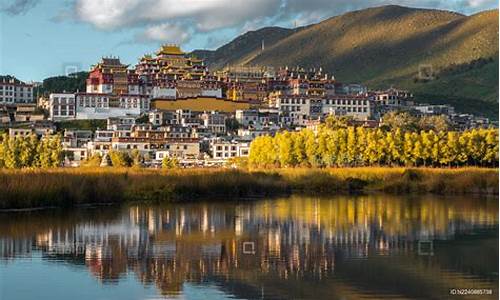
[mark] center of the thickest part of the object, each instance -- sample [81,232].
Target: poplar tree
[352,149]
[311,148]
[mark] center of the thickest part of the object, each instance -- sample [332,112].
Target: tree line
[115,158]
[359,146]
[30,151]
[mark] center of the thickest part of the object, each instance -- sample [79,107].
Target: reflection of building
[294,238]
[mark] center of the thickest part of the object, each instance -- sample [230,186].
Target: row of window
[327,101]
[92,99]
[160,146]
[13,94]
[345,102]
[63,100]
[348,109]
[231,154]
[92,104]
[11,88]
[64,113]
[219,148]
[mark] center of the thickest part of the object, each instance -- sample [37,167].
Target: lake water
[290,248]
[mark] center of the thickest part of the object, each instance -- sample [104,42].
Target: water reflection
[308,248]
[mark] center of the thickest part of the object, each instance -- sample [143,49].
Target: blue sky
[42,38]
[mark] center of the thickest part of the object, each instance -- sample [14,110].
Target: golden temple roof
[170,50]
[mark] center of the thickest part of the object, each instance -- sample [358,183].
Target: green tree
[311,149]
[119,158]
[137,158]
[491,155]
[285,149]
[11,153]
[169,163]
[352,149]
[93,161]
[28,146]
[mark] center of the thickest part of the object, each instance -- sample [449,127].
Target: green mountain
[442,56]
[59,84]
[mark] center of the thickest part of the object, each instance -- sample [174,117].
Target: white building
[214,122]
[13,91]
[249,134]
[358,107]
[120,123]
[427,109]
[297,110]
[62,106]
[103,106]
[20,132]
[228,149]
[215,92]
[160,118]
[76,155]
[164,92]
[257,118]
[183,148]
[103,135]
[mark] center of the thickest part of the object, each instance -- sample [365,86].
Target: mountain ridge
[388,46]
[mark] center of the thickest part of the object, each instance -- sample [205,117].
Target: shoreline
[58,188]
[240,199]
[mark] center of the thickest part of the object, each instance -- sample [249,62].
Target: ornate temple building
[170,63]
[171,79]
[299,81]
[172,74]
[109,76]
[112,90]
[246,83]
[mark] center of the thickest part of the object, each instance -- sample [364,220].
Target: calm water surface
[294,248]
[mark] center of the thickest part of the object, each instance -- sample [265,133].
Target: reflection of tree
[296,239]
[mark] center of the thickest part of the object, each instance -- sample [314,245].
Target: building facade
[62,106]
[14,91]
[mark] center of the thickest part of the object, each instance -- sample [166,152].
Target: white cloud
[165,32]
[205,14]
[180,20]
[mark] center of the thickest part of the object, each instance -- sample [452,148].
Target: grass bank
[70,187]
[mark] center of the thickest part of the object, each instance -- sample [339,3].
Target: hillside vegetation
[64,84]
[244,48]
[388,46]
